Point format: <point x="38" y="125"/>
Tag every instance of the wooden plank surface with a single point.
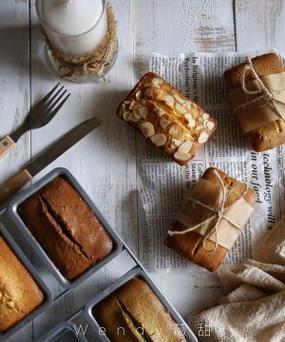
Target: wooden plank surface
<point x="106" y="162"/>
<point x="171" y="27"/>
<point x="15" y="80"/>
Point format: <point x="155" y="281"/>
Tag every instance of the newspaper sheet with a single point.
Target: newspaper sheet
<point x="163" y="183"/>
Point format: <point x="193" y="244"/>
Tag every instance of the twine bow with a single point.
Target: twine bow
<point x="265" y="93"/>
<point x="218" y="215"/>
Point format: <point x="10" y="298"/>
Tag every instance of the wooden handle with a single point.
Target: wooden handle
<point x="14" y="184"/>
<point x="6" y="145"/>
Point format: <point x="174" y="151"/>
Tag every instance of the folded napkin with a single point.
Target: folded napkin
<point x="254" y="309"/>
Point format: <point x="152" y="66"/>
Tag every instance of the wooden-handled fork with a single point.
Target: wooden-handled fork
<point x="39" y="115"/>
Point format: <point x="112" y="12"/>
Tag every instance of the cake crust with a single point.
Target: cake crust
<point x="270" y="134"/>
<point x="66" y="228"/>
<point x="19" y="293"/>
<point x="134" y="309"/>
<point x="188" y="244"/>
<point x="166" y="118"/>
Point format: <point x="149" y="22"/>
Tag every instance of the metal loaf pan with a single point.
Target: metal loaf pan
<point x="26" y="263"/>
<point x="136" y="271"/>
<point x="63" y="332"/>
<point x="16" y="219"/>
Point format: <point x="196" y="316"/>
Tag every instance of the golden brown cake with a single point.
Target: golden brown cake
<point x="172" y="123"/>
<point x="262" y="134"/>
<point x="19" y="294"/>
<point x="133" y="313"/>
<point x="66" y="228"/>
<point x="208" y="191"/>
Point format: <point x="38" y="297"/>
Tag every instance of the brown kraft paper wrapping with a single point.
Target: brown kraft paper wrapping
<point x="262" y="108"/>
<point x="209" y="251"/>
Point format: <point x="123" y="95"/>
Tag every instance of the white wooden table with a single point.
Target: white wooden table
<point x="105" y="162"/>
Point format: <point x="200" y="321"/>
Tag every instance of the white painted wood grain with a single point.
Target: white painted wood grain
<point x="106" y="161"/>
<point x="260" y="25"/>
<point x="14" y="80"/>
<point x="172" y="27"/>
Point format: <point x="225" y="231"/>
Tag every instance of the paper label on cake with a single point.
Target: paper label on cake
<point x="256" y="110"/>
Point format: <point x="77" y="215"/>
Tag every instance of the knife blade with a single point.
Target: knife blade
<point x="46" y="157"/>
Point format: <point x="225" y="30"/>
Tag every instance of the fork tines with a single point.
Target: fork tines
<point x="53" y="101"/>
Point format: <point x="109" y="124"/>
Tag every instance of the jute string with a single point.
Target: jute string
<point x="218" y="215"/>
<point x="265" y="94"/>
<point x="93" y="63"/>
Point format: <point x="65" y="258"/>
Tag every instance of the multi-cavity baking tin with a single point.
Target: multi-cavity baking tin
<point x="11" y="215"/>
<point x="137" y="271"/>
<point x="63" y="332"/>
<point x="26" y="263"/>
<point x="14" y="216"/>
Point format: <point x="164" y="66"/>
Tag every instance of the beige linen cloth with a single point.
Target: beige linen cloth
<point x="254" y="309"/>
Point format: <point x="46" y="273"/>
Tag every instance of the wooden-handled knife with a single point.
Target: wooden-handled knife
<point x="46" y="157"/>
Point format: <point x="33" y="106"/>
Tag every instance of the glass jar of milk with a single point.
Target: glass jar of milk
<point x="81" y="37"/>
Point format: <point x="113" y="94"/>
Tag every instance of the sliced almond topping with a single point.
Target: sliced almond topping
<point x="176" y="142"/>
<point x="181" y="156"/>
<point x="143" y="111"/>
<point x="169" y="100"/>
<point x="188" y="116"/>
<point x="181" y="109"/>
<point x="127" y="115"/>
<point x="136" y="115"/>
<point x="139" y="95"/>
<point x="210" y="125"/>
<point x="148" y="92"/>
<point x="159" y="111"/>
<point x="156" y="82"/>
<point x="204" y="136"/>
<point x="164" y="122"/>
<point x="198" y="128"/>
<point x="185" y="147"/>
<point x="179" y="99"/>
<point x="159" y="139"/>
<point x="191" y="123"/>
<point x="122" y="110"/>
<point x="188" y="105"/>
<point x="174" y="131"/>
<point x="205" y="116"/>
<point x="132" y="104"/>
<point x="147" y="85"/>
<point x="147" y="129"/>
<point x="194" y="105"/>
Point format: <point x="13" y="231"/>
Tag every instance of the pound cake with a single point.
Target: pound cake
<point x="133" y="313"/>
<point x="261" y="117"/>
<point x="172" y="123"/>
<point x="66" y="228"/>
<point x="19" y="293"/>
<point x="199" y="233"/>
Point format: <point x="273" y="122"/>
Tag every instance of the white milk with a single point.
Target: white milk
<point x="75" y="27"/>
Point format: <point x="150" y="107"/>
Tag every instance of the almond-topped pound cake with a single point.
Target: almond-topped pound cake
<point x="19" y="293"/>
<point x="257" y="92"/>
<point x="174" y="124"/>
<point x="133" y="313"/>
<point x="211" y="219"/>
<point x="66" y="228"/>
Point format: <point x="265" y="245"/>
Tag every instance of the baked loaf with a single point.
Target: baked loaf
<point x="238" y="197"/>
<point x="268" y="134"/>
<point x="66" y="228"/>
<point x="174" y="124"/>
<point x="133" y="313"/>
<point x="19" y="294"/>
